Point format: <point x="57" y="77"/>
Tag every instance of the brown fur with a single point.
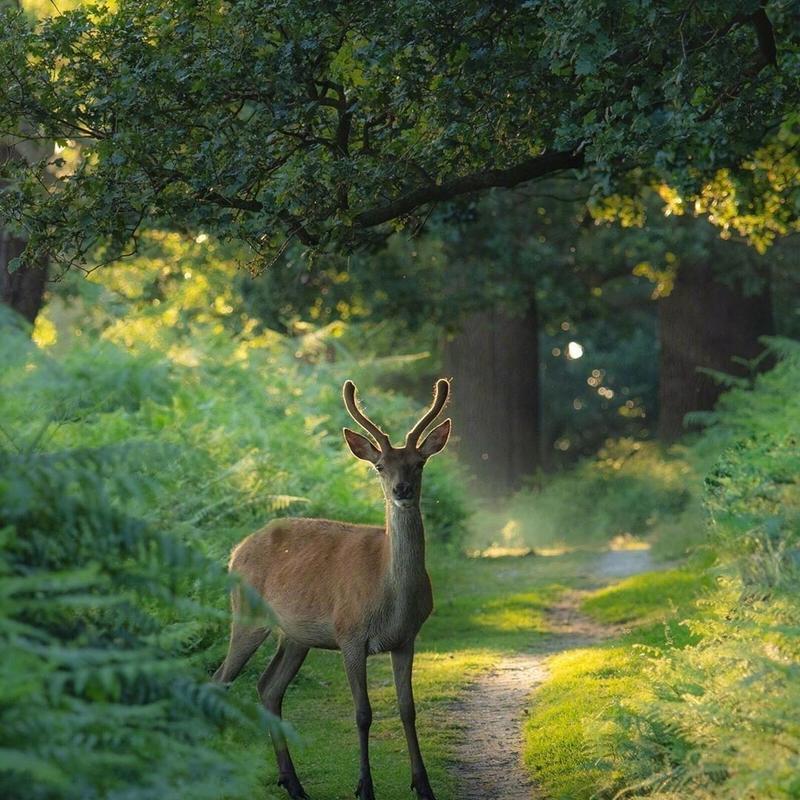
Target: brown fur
<point x="316" y="575"/>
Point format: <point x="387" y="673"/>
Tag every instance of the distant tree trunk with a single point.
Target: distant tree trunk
<point x="22" y="289"/>
<point x="704" y="323"/>
<point x="494" y="364"/>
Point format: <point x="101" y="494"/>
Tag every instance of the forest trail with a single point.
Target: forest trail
<point x="488" y="756"/>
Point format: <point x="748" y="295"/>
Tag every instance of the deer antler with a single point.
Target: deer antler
<point x="439" y="400"/>
<point x="349" y="395"/>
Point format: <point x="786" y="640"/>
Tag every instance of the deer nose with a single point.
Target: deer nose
<point x="403" y="491"/>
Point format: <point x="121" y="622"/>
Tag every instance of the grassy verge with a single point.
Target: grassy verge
<point x="484" y="608"/>
<point x="653" y="598"/>
<point x="574" y="718"/>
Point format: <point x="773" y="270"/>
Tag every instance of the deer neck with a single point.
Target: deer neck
<point x="405" y="540"/>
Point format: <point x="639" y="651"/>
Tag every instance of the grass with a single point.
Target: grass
<point x="583" y="684"/>
<point x="484" y="609"/>
<point x="202" y="407"/>
<point x="649" y="598"/>
<point x="573" y="720"/>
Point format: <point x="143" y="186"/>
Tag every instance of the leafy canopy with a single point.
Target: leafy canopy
<point x="327" y="122"/>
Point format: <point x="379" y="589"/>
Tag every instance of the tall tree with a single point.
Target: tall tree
<point x="494" y="362"/>
<point x="21" y="285"/>
<point x="714" y="301"/>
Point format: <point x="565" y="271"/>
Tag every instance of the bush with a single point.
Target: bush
<point x="99" y="694"/>
<point x="734" y="697"/>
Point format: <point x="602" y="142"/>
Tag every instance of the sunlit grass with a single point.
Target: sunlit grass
<point x="569" y="707"/>
<point x="574" y="725"/>
<point x="519" y="612"/>
<point x="627" y="541"/>
<point x="647" y="598"/>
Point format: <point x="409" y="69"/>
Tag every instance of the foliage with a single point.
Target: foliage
<point x="571" y="707"/>
<point x="515" y="252"/>
<point x="251" y="419"/>
<point x="587" y="281"/>
<point x="302" y="121"/>
<point x="100" y="695"/>
<point x="608" y="392"/>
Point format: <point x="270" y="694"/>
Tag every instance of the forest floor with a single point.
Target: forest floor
<point x="479" y="657"/>
<point x="492" y="709"/>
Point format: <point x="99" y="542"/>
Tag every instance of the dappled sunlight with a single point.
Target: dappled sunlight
<point x="45" y="333"/>
<point x="617" y="500"/>
<point x="217" y="218"/>
<point x="442" y="675"/>
<point x="554" y="552"/>
<point x="499" y="551"/>
<point x="626" y="541"/>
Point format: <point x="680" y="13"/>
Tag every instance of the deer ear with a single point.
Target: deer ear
<point x="436" y="440"/>
<point x="360" y="446"/>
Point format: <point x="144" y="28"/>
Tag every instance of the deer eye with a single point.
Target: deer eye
<point x="379" y="467"/>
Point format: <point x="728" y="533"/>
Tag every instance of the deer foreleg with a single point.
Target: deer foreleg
<point x="402" y="664"/>
<point x="355" y="664"/>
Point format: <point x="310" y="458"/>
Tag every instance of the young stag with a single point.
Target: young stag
<point x="356" y="588"/>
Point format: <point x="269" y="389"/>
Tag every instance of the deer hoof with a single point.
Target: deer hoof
<point x="364" y="790"/>
<point x="293" y="787"/>
<point x="423" y="790"/>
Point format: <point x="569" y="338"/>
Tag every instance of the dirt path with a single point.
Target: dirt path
<point x="488" y="760"/>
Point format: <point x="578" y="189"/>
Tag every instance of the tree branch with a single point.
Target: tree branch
<point x="527" y="170"/>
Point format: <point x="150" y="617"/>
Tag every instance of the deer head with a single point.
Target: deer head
<point x="399" y="468"/>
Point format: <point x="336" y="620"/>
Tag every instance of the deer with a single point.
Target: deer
<point x="359" y="589"/>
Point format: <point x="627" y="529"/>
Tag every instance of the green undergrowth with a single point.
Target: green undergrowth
<point x="574" y="715"/>
<point x="652" y="597"/>
<point x="144" y="431"/>
<point x="701" y="697"/>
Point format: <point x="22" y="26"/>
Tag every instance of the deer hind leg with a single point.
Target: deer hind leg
<point x="272" y="686"/>
<point x="245" y="640"/>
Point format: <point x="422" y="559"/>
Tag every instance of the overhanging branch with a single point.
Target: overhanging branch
<point x="527" y="170"/>
<point x="531" y="168"/>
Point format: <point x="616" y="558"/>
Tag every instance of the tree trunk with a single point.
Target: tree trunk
<point x="22" y="289"/>
<point x="704" y="323"/>
<point x="494" y="364"/>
